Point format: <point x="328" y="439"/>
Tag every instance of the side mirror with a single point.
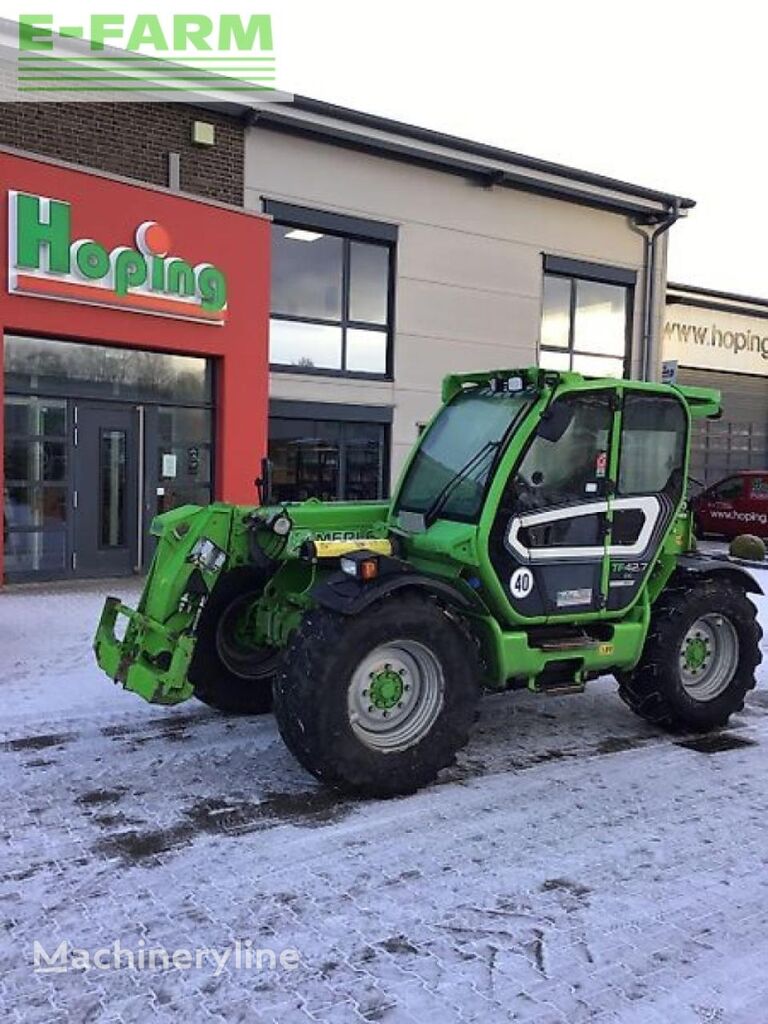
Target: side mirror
<point x="555" y="421"/>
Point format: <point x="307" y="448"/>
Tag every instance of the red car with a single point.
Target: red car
<point x="737" y="504"/>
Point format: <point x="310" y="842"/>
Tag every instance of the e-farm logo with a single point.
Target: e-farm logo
<point x="46" y="262"/>
<point x="117" y="53"/>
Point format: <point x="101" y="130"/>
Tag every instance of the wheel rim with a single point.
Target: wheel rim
<point x="709" y="657"/>
<point x="238" y="656"/>
<point x="396" y="695"/>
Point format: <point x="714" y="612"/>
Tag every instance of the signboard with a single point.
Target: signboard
<point x="46" y="262"/>
<point x="669" y="371"/>
<point x="197" y="272"/>
<point x="708" y="339"/>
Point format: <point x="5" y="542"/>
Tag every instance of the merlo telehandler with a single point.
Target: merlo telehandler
<point x="539" y="537"/>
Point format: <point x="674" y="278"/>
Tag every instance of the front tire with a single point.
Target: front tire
<point x="226" y="673"/>
<point x="699" y="659"/>
<point x="378" y="703"/>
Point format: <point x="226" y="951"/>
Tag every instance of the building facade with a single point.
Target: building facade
<point x="720" y="340"/>
<point x="149" y="142"/>
<point x="133" y="352"/>
<point x="397" y="255"/>
<point x="400" y="255"/>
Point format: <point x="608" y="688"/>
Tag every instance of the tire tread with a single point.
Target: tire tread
<point x="298" y="688"/>
<point x="649" y="688"/>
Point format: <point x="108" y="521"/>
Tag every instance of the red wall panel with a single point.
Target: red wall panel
<point x="109" y="211"/>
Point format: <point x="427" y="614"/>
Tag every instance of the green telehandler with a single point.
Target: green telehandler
<point x="539" y="537"/>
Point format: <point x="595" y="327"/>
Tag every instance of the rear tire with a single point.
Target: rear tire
<point x="699" y="659"/>
<point x="226" y="674"/>
<point x="378" y="703"/>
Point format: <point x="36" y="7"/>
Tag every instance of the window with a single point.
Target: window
<point x="760" y="488"/>
<point x="575" y="531"/>
<point x="652" y="446"/>
<point x="584" y="320"/>
<point x="113" y="485"/>
<point x="100" y="371"/>
<point x="626" y="526"/>
<point x="571" y="467"/>
<point x="331" y="299"/>
<point x="728" y="490"/>
<point x="327" y="459"/>
<point x="36" y="479"/>
<point x="455" y="456"/>
<point x="183" y="457"/>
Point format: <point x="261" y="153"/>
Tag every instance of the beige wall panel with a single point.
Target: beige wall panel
<point x="313" y="173"/>
<point x="306" y="388"/>
<point x="411" y="408"/>
<point x="463" y="258"/>
<point x="421" y="363"/>
<point x="442" y="311"/>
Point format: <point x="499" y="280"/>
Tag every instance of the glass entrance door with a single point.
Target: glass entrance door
<point x="87" y="428"/>
<point x="106" y="490"/>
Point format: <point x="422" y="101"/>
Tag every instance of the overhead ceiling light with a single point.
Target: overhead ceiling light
<point x="303" y="236"/>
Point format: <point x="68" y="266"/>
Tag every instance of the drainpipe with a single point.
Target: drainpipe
<point x="650" y="239"/>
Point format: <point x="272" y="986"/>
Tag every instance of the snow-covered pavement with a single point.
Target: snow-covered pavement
<point x="574" y="866"/>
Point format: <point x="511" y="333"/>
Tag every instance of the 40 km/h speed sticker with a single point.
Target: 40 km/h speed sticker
<point x="521" y="583"/>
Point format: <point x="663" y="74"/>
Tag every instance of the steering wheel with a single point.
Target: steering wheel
<point x="525" y="491"/>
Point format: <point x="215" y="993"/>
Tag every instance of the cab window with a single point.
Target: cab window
<point x="456" y="454"/>
<point x="759" y="488"/>
<point x="652" y="456"/>
<point x="567" y="461"/>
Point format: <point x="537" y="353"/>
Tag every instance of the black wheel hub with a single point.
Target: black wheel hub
<point x="241" y="657"/>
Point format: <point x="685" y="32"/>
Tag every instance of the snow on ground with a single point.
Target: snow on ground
<point x="574" y="866"/>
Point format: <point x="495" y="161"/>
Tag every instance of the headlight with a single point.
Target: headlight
<point x="362" y="565"/>
<point x="280" y="523"/>
<point x="207" y="555"/>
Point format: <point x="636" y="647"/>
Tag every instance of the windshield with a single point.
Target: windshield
<point x="455" y="458"/>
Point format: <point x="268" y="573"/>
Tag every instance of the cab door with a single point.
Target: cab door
<point x="650" y="485"/>
<point x="548" y="543"/>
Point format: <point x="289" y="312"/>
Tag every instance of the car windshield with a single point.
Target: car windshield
<point x="456" y="455"/>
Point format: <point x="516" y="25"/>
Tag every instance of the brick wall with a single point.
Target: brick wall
<point x="132" y="139"/>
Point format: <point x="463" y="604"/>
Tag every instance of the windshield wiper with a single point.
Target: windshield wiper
<point x="461" y="474"/>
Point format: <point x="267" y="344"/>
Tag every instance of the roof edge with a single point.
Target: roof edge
<point x="428" y="135"/>
<point x="269" y="118"/>
<point x="702" y="294"/>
